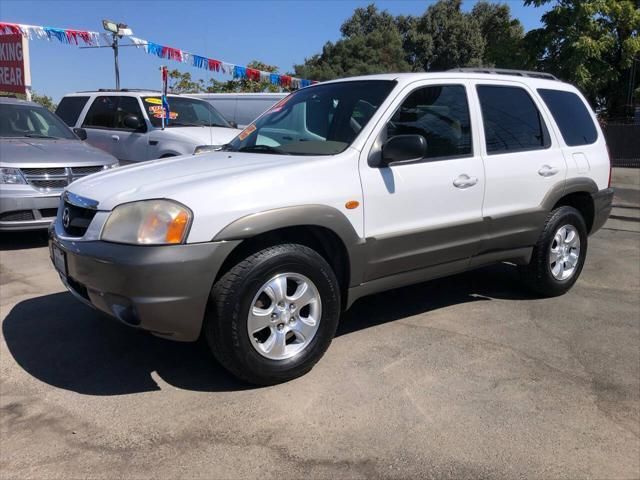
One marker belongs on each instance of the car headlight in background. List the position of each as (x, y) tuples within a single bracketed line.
[(148, 222), (11, 176), (110, 166), (207, 148)]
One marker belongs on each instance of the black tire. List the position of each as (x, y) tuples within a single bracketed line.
[(537, 275), (231, 298)]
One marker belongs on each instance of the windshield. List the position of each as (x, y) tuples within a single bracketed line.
[(319, 120), (184, 112), (31, 122)]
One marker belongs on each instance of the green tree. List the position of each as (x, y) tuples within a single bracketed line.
[(182, 82), (246, 85), (503, 35), (593, 44), (43, 100), (371, 43), (445, 37), (375, 41)]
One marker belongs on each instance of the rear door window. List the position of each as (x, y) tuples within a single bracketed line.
[(69, 109), (512, 122), (571, 115)]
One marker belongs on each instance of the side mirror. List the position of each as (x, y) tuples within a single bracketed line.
[(133, 122), (81, 133), (402, 148), (233, 124)]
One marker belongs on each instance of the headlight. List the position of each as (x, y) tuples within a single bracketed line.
[(206, 148), (110, 166), (11, 176), (148, 222)]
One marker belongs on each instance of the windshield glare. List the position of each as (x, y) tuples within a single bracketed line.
[(31, 122), (318, 120), (184, 112)]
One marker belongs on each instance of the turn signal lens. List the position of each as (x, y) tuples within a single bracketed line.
[(149, 222), (177, 228)]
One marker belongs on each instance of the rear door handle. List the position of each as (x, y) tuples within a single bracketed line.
[(465, 181), (547, 171), (115, 138)]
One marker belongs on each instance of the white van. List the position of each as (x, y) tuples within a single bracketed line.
[(240, 109), (128, 123)]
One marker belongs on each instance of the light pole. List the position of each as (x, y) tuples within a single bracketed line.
[(117, 30)]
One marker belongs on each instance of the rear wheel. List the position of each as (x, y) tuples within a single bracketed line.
[(559, 254), (273, 315)]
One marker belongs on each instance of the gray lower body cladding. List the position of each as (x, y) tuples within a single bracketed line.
[(602, 204), (163, 289)]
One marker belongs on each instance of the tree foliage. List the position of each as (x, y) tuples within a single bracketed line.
[(44, 100), (182, 82), (593, 44), (503, 35)]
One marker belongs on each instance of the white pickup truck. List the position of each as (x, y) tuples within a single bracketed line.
[(128, 123), (340, 190)]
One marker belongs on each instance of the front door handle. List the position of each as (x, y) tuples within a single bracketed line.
[(547, 171), (465, 181), (115, 138)]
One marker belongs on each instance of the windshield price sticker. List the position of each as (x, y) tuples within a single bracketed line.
[(158, 112), (153, 100), (247, 131)]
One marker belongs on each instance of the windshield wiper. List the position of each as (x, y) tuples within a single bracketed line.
[(264, 149), (184, 124), (37, 135)]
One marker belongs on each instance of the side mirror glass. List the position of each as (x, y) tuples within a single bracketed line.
[(81, 133), (133, 122), (403, 148)]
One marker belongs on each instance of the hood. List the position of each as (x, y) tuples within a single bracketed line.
[(36, 152), (197, 135), (171, 178)]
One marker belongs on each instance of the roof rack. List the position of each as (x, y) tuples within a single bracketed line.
[(506, 71), (121, 90)]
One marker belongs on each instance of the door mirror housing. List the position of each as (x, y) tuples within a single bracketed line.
[(403, 148), (133, 122), (81, 133)]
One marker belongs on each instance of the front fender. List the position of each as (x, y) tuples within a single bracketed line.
[(303, 215)]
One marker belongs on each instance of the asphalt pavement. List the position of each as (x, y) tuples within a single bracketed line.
[(465, 377)]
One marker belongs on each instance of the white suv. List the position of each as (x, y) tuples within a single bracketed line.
[(340, 190), (128, 123)]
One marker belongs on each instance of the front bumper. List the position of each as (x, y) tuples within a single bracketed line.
[(602, 203), (23, 208), (163, 289)]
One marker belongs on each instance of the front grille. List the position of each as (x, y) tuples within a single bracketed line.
[(77, 171), (44, 171), (49, 184), (17, 216), (78, 219), (49, 179)]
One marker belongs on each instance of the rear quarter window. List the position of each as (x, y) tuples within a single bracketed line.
[(571, 115), (70, 108)]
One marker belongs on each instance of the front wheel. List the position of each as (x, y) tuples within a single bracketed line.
[(273, 315), (559, 254)]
